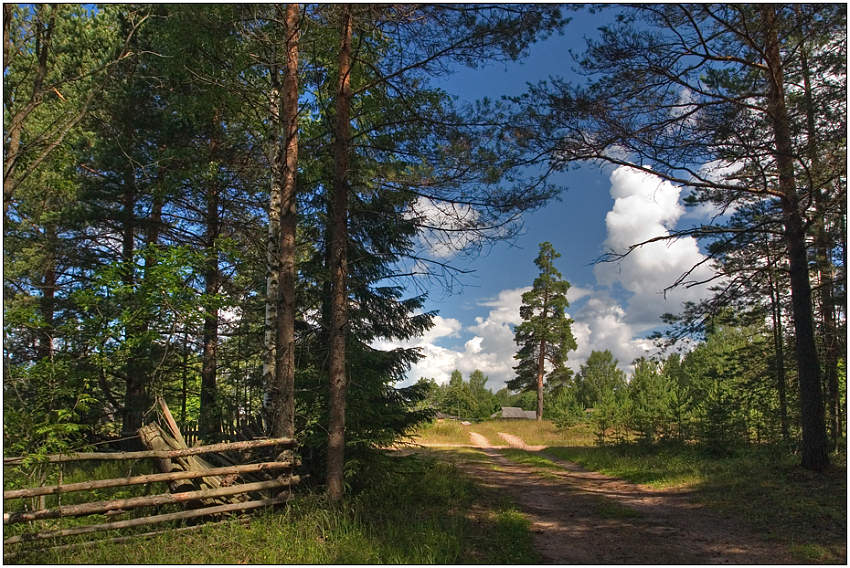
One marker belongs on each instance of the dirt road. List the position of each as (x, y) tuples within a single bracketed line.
[(582, 517)]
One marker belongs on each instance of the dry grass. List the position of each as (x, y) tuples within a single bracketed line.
[(543, 433)]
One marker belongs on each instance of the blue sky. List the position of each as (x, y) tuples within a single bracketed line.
[(614, 306)]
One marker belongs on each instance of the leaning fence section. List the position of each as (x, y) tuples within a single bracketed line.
[(203, 482)]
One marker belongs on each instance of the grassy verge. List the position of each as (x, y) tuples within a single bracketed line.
[(412, 510), (531, 431), (766, 489)]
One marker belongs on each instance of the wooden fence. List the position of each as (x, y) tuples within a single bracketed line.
[(215, 489), (229, 431)]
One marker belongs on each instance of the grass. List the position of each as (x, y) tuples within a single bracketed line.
[(531, 459), (532, 432), (411, 510), (609, 509), (444, 432)]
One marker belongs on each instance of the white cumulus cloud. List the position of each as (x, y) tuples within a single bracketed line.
[(645, 207)]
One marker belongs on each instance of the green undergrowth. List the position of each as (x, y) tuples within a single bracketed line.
[(761, 486), (402, 510)]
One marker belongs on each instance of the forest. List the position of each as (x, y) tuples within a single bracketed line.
[(226, 206)]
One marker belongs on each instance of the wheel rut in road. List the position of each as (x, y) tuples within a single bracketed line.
[(584, 517)]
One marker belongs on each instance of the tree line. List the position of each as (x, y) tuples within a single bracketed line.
[(224, 205)]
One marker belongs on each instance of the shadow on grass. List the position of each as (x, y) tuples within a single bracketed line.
[(763, 487)]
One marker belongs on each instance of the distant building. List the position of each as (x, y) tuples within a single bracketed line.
[(515, 412), (444, 416)]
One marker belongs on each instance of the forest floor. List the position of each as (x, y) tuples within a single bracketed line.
[(584, 517)]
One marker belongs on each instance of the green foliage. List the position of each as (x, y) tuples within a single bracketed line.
[(47, 409), (649, 400), (564, 407), (127, 316), (469, 400), (545, 334), (721, 394), (599, 378)]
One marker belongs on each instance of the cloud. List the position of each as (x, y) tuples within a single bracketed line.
[(490, 349), (647, 207), (601, 324), (644, 207), (447, 228)]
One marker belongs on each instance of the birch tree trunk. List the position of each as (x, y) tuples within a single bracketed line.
[(273, 255)]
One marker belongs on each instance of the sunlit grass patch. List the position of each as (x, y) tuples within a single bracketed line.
[(454, 455), (532, 432), (443, 432), (813, 553), (513, 544), (523, 457), (656, 466)]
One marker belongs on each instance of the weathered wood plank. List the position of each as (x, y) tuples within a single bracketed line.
[(146, 501), (166, 454), (140, 479), (141, 536), (144, 521)]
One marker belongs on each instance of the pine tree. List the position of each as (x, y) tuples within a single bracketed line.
[(544, 334), (676, 86)]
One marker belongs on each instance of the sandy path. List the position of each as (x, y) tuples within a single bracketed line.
[(582, 517), (517, 442)]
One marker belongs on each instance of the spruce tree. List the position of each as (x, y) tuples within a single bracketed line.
[(544, 334)]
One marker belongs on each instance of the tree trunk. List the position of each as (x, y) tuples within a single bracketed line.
[(136, 400), (283, 423), (541, 363), (822, 256), (7, 40), (339, 266), (270, 383), (778, 349), (47, 303), (43, 34), (814, 450), (210, 417)]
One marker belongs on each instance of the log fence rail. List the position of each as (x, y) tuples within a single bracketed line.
[(215, 490)]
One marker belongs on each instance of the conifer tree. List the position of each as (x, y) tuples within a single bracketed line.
[(544, 334)]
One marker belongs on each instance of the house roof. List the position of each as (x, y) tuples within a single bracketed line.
[(516, 412)]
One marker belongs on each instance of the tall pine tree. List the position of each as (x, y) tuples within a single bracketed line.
[(544, 334)]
